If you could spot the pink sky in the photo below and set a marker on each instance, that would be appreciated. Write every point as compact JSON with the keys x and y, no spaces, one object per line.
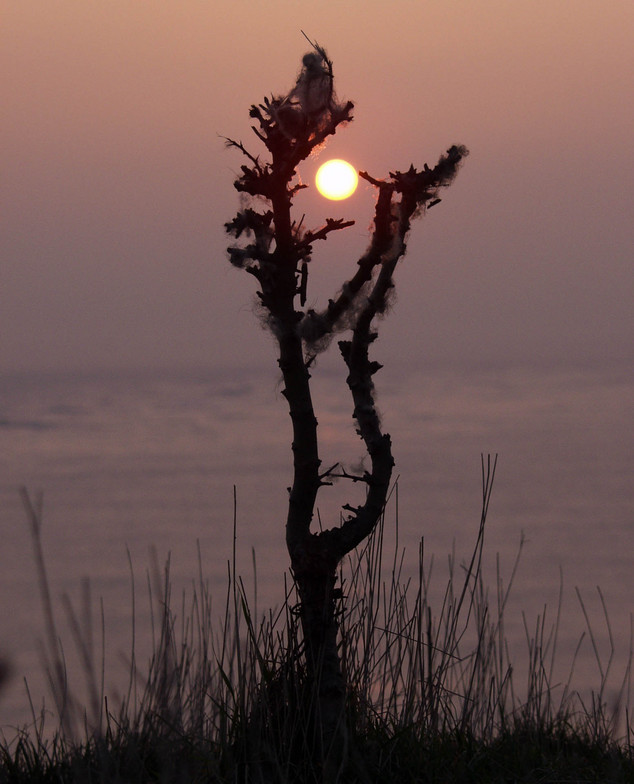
{"x":116,"y":184}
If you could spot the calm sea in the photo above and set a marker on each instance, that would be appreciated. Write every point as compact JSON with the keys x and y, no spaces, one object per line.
{"x":131,"y":462}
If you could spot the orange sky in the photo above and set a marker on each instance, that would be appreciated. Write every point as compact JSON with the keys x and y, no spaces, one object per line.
{"x":116,"y":183}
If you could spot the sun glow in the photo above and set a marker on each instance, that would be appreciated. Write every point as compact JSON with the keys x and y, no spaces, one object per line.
{"x":336,"y":179}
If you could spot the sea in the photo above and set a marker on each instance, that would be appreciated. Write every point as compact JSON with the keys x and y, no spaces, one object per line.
{"x":136,"y":468}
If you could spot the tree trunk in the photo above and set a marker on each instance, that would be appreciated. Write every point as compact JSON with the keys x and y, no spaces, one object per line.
{"x":314,"y":564}
{"x":326,"y":682}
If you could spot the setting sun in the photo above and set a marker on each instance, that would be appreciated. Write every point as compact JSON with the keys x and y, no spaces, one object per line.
{"x":336,"y":179}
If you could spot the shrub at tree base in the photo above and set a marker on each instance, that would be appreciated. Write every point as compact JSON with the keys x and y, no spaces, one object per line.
{"x":431,"y":693}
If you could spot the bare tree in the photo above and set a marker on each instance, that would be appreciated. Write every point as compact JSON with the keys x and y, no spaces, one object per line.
{"x":276,"y":250}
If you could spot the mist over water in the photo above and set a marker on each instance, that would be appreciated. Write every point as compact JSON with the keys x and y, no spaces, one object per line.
{"x":140,"y":461}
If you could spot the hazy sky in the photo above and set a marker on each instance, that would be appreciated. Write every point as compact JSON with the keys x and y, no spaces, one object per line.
{"x":116,"y":184}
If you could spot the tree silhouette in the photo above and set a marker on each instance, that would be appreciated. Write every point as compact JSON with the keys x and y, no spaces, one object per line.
{"x":277,"y":250}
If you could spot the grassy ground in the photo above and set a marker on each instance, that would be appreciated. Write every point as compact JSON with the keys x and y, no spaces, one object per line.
{"x":432,"y":696}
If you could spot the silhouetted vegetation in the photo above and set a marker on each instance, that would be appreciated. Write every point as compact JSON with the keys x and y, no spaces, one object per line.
{"x":276,"y":249}
{"x":432,"y":695}
{"x":361,"y":676}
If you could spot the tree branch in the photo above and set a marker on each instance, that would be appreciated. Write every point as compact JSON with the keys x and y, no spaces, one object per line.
{"x":318,"y":328}
{"x":392,"y":217}
{"x":332,"y":224}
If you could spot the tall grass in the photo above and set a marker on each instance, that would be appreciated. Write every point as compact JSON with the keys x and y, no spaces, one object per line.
{"x":432,"y":692}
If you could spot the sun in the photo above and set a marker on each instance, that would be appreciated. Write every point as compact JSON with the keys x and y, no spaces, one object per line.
{"x":336,"y":179}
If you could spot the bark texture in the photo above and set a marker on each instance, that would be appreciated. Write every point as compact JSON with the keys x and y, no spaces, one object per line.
{"x":277,"y":250}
